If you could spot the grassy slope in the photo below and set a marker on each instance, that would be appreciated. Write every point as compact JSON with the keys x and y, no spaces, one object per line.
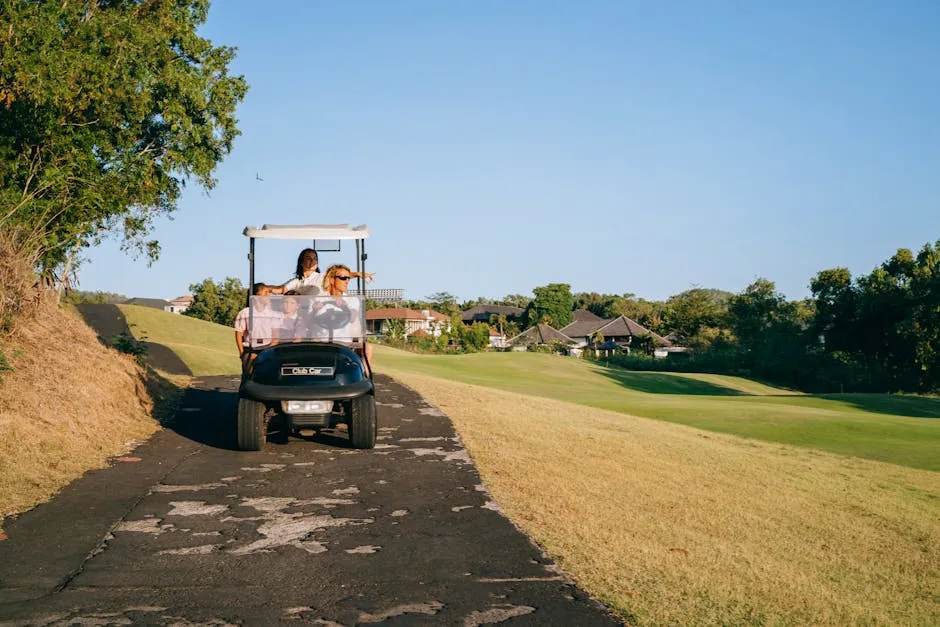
{"x":898,"y":429}
{"x":65,"y":408}
{"x":207,"y":348}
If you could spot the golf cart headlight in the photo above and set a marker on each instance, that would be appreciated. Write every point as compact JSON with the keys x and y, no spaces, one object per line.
{"x":307,"y":407}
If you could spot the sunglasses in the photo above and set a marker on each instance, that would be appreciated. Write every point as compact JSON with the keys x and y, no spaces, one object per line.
{"x":342,"y":278}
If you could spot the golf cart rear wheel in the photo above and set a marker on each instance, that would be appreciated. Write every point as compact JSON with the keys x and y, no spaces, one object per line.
{"x":251,"y":427}
{"x":361,"y":421}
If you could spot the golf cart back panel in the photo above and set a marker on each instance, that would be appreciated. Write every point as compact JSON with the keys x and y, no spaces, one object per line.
{"x":306,"y":358}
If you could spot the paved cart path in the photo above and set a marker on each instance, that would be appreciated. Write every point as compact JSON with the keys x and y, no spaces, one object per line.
{"x":187,"y":531}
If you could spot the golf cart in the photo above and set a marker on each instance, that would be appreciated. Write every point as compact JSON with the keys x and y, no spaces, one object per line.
{"x":307,"y":364}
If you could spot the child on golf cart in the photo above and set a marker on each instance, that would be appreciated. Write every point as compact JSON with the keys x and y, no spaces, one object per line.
{"x":264,"y":323}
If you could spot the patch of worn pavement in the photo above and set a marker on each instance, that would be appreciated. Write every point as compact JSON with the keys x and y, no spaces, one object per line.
{"x":309,"y":532}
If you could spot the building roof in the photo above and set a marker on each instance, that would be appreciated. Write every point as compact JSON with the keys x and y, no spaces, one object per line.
{"x":541,"y":334}
{"x":402,"y":313}
{"x":182,"y":300}
{"x":624,"y":327}
{"x":482,"y":313}
{"x":584,"y":324}
{"x":156,"y":303}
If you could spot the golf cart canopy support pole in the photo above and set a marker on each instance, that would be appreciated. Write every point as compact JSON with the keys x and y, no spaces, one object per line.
{"x":251,"y":267}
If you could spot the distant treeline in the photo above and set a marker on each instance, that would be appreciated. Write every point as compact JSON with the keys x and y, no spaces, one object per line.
{"x":878,"y":332}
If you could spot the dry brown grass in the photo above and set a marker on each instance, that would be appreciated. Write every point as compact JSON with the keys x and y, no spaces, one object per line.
{"x":68,"y":405}
{"x":673,"y":525}
{"x":19,"y":299}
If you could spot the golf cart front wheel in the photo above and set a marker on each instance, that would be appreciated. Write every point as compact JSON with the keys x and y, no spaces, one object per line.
{"x":361,"y":421}
{"x":251,"y":427}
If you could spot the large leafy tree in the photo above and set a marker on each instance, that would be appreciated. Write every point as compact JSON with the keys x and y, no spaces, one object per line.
{"x":217,"y":302}
{"x":925,"y":293}
{"x":553,"y":304}
{"x":697,"y":316}
{"x":835,"y":302}
{"x":108,"y":109}
{"x":444,"y":302}
{"x":770,"y":330}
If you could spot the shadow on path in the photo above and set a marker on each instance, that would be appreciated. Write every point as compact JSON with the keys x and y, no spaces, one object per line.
{"x":206,"y":414}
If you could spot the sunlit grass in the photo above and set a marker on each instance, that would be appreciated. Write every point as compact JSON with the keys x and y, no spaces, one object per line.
{"x":898,"y":429}
{"x":672,"y":525}
{"x":205,"y":347}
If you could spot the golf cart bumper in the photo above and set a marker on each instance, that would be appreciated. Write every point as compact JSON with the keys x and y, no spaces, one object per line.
{"x":262,"y":392}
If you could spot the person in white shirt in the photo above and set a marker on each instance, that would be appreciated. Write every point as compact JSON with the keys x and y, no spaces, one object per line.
{"x":307,"y":279}
{"x":264,"y":323}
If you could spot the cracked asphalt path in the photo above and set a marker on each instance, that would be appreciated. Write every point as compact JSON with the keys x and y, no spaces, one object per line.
{"x":185,"y":530}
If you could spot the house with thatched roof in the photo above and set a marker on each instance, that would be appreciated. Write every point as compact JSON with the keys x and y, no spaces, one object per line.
{"x":540,"y":335}
{"x":618,"y":332}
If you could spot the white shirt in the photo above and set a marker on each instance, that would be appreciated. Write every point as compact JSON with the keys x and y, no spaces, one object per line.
{"x":308,"y":286}
{"x":264,"y":325}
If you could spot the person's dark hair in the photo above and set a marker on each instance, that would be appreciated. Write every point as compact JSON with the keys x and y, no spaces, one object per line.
{"x":257,"y":288}
{"x":299,"y":272}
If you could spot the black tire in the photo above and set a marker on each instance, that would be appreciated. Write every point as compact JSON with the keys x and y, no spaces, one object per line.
{"x":251,"y":426}
{"x":361,"y":422}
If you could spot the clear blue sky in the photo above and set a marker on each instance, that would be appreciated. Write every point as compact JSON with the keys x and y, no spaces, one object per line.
{"x":642,"y":147}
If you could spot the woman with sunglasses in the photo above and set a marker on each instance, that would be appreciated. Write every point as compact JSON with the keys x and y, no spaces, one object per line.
{"x":336,"y":283}
{"x":307,"y":280}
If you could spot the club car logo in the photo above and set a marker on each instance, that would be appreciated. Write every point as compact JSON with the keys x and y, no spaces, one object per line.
{"x":305,"y":371}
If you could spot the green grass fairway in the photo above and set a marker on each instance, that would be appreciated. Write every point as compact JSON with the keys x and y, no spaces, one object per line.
{"x":207,"y":348}
{"x":897,"y":429}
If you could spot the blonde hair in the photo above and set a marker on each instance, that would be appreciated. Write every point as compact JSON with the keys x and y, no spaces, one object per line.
{"x":330,"y":273}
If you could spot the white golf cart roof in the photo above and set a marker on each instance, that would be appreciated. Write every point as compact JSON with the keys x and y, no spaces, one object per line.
{"x":309,"y":231}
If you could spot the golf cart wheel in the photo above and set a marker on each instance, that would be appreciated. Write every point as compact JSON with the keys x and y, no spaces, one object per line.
{"x":251,"y":427}
{"x":361,"y":421}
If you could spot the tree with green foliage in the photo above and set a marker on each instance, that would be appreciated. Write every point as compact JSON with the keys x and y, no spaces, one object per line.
{"x":835,"y":302}
{"x":217,"y":302}
{"x":696,"y":314}
{"x":770,"y":331}
{"x":648,"y":313}
{"x":514,"y":300}
{"x":444,"y":302}
{"x":476,"y":337}
{"x":553,"y":304}
{"x":394,"y":330}
{"x":925,"y":296}
{"x":107,"y":110}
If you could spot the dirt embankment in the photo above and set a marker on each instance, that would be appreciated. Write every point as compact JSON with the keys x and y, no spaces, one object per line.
{"x":68,"y":404}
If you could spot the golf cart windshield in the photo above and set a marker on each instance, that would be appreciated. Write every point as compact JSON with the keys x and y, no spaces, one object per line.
{"x":281,"y":319}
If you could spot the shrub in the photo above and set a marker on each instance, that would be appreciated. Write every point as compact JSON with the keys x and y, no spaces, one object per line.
{"x":127,"y":343}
